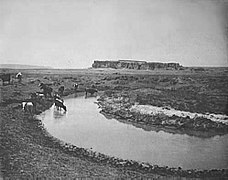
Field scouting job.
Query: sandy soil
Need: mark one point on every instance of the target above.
(29, 152)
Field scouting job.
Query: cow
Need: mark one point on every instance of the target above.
(90, 90)
(28, 106)
(56, 96)
(75, 86)
(19, 76)
(59, 104)
(5, 78)
(46, 89)
(37, 96)
(40, 95)
(61, 90)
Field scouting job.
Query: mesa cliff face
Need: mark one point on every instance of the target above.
(139, 65)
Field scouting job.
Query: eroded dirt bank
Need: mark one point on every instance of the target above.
(122, 106)
(28, 151)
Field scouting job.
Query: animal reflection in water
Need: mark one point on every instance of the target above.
(59, 114)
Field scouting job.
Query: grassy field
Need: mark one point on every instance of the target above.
(29, 152)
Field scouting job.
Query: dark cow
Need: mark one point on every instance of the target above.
(37, 98)
(61, 90)
(60, 105)
(91, 91)
(5, 78)
(46, 89)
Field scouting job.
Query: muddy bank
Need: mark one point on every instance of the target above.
(121, 106)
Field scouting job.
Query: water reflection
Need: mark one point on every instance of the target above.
(58, 114)
(90, 96)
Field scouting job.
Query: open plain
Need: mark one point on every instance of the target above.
(28, 151)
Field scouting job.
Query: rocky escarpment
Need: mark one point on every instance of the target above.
(138, 65)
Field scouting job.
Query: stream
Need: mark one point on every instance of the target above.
(83, 126)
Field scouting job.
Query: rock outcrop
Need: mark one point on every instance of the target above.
(139, 65)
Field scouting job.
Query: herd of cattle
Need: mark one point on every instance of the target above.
(7, 77)
(47, 92)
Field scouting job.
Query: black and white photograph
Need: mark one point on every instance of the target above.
(113, 89)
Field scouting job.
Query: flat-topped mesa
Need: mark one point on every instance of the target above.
(133, 64)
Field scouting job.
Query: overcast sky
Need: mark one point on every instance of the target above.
(73, 33)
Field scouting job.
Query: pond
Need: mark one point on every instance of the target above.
(83, 126)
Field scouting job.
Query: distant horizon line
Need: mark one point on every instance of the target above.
(29, 66)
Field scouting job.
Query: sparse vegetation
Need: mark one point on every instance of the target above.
(29, 152)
